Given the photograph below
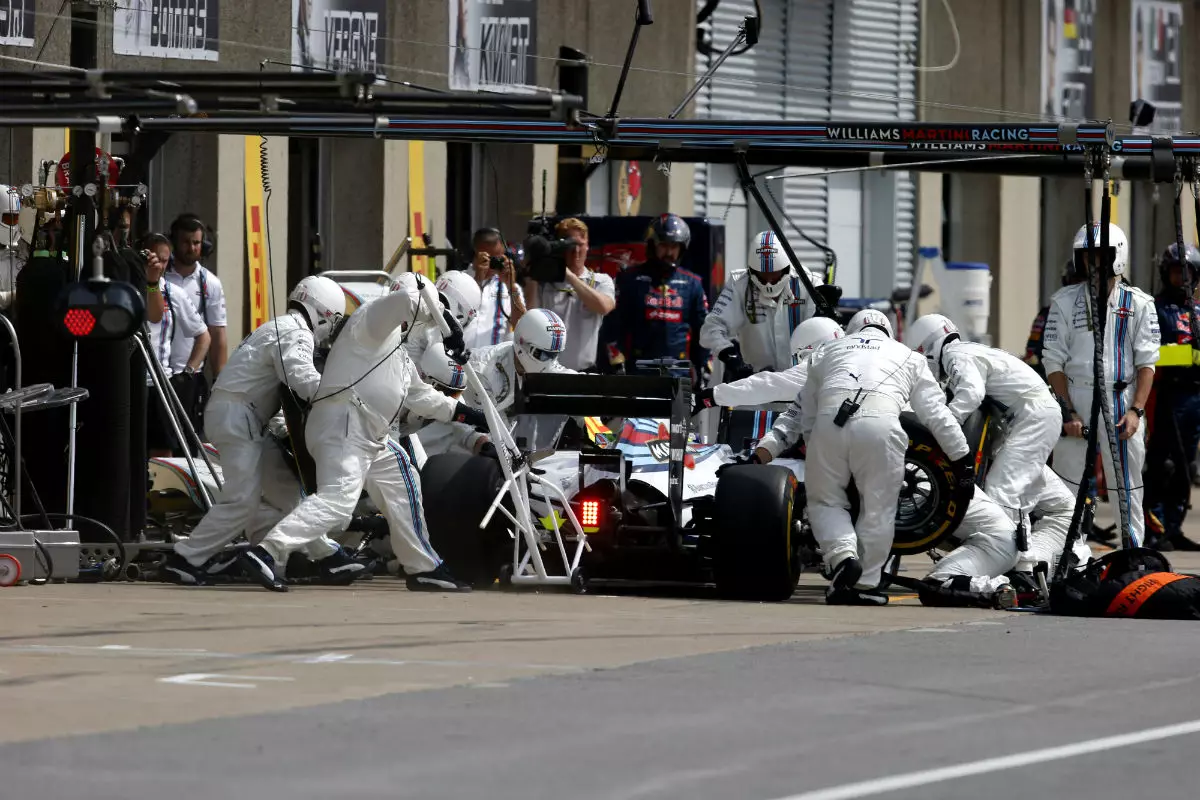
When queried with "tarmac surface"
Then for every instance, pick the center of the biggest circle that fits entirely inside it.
(143, 690)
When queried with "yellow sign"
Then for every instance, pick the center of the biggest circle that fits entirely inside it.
(256, 223)
(418, 222)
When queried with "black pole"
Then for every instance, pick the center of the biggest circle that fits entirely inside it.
(84, 27)
(571, 194)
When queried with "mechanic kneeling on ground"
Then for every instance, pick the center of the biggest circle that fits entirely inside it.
(661, 307)
(368, 380)
(850, 420)
(751, 324)
(246, 396)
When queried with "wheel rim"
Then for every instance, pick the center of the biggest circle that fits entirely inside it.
(920, 498)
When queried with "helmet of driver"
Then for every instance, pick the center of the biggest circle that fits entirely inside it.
(538, 340)
(441, 371)
(812, 332)
(1116, 241)
(323, 302)
(1170, 258)
(928, 335)
(461, 295)
(769, 265)
(10, 216)
(869, 318)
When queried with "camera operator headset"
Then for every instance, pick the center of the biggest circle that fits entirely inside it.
(503, 301)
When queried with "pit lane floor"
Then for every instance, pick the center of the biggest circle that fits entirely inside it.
(378, 692)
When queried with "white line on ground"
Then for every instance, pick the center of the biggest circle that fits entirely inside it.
(204, 679)
(930, 630)
(871, 788)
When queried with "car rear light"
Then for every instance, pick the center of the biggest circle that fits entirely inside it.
(589, 514)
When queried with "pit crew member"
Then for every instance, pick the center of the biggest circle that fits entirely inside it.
(1131, 341)
(368, 380)
(850, 420)
(661, 307)
(751, 324)
(972, 371)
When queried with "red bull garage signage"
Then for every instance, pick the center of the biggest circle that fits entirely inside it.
(185, 29)
(342, 35)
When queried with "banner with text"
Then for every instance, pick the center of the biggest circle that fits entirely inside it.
(1156, 60)
(184, 29)
(341, 35)
(16, 23)
(1068, 58)
(493, 45)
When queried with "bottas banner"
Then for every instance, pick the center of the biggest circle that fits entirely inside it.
(342, 35)
(16, 23)
(186, 29)
(493, 45)
(1155, 61)
(1068, 47)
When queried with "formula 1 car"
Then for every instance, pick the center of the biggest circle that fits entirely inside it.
(649, 505)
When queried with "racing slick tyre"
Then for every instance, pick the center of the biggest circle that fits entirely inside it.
(931, 504)
(754, 555)
(458, 490)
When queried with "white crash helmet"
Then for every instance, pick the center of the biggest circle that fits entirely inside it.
(323, 301)
(766, 258)
(539, 338)
(423, 294)
(10, 213)
(461, 295)
(1116, 240)
(812, 332)
(869, 318)
(928, 335)
(441, 371)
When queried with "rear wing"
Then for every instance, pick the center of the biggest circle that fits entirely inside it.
(583, 395)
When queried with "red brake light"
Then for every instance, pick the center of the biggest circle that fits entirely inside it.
(79, 321)
(589, 514)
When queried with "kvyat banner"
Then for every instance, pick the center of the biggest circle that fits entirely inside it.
(1156, 61)
(16, 23)
(185, 29)
(341, 35)
(493, 45)
(1068, 58)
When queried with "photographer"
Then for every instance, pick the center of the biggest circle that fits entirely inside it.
(503, 301)
(581, 297)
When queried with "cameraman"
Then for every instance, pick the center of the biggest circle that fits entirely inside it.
(503, 301)
(581, 297)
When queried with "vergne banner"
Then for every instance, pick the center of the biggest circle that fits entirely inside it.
(166, 29)
(1068, 39)
(1156, 61)
(493, 45)
(16, 23)
(343, 35)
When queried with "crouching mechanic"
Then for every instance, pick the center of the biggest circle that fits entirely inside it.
(245, 397)
(972, 371)
(751, 324)
(368, 381)
(850, 420)
(446, 375)
(460, 295)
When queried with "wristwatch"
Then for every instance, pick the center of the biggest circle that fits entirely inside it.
(189, 370)
(1141, 412)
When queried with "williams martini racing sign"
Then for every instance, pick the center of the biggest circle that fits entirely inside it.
(493, 45)
(340, 35)
(16, 23)
(960, 138)
(184, 29)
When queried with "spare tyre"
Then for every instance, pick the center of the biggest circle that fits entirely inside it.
(931, 504)
(754, 557)
(457, 491)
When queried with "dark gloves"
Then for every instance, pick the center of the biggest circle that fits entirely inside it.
(704, 399)
(741, 459)
(964, 471)
(470, 416)
(488, 450)
(735, 367)
(455, 346)
(831, 294)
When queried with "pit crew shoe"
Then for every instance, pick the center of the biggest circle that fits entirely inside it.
(177, 569)
(221, 565)
(259, 566)
(341, 569)
(438, 580)
(855, 597)
(846, 574)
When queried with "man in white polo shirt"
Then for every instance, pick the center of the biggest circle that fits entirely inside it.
(581, 299)
(204, 289)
